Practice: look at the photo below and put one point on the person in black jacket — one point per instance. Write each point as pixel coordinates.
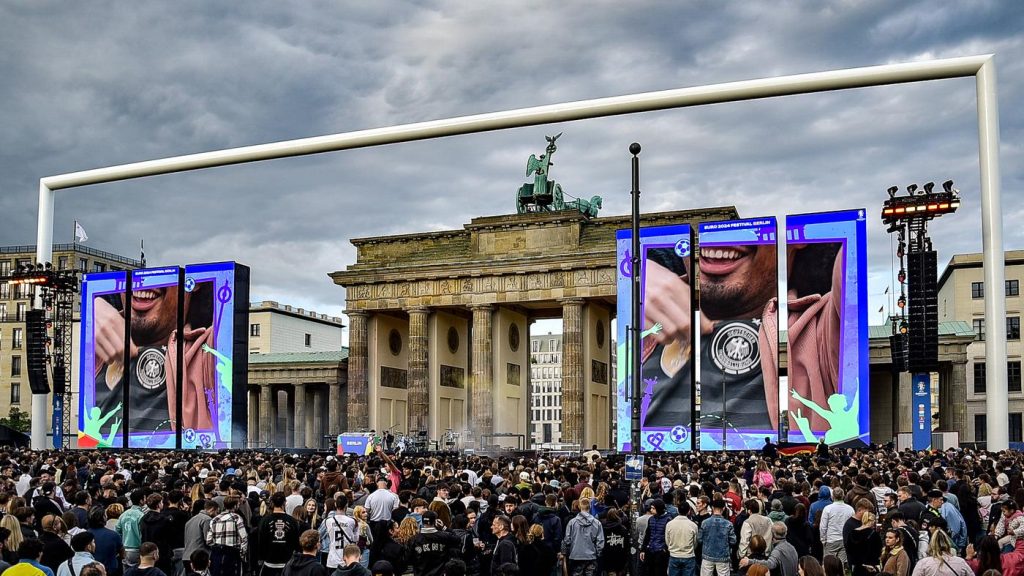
(911, 508)
(155, 526)
(615, 554)
(505, 549)
(306, 564)
(55, 550)
(277, 537)
(44, 503)
(432, 548)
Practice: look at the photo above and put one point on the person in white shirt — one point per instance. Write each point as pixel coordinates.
(379, 506)
(832, 519)
(294, 500)
(681, 540)
(341, 531)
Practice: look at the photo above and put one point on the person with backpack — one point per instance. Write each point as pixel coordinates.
(84, 544)
(340, 530)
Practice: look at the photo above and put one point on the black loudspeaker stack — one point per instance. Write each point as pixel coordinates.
(923, 312)
(898, 348)
(35, 339)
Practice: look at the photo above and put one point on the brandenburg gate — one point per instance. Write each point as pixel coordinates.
(440, 323)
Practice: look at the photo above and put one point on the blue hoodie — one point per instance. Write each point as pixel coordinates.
(824, 499)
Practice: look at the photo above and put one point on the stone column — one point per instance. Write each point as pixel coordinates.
(334, 406)
(358, 387)
(254, 416)
(312, 417)
(906, 423)
(483, 373)
(266, 436)
(300, 414)
(275, 415)
(958, 397)
(419, 374)
(572, 371)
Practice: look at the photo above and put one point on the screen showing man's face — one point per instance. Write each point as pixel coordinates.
(737, 281)
(155, 314)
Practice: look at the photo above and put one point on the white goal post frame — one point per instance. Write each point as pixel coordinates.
(981, 67)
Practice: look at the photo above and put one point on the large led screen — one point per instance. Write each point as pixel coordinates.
(739, 394)
(666, 401)
(827, 336)
(100, 405)
(153, 330)
(189, 318)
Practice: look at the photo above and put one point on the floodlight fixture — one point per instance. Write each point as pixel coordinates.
(892, 191)
(928, 188)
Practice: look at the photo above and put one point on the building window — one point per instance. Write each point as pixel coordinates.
(5, 267)
(309, 340)
(15, 393)
(99, 267)
(3, 311)
(977, 290)
(15, 365)
(24, 292)
(21, 311)
(536, 345)
(254, 329)
(16, 338)
(5, 291)
(1012, 287)
(1013, 376)
(979, 377)
(62, 263)
(1016, 428)
(83, 264)
(979, 328)
(980, 428)
(1013, 327)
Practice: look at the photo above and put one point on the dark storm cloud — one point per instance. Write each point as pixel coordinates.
(97, 84)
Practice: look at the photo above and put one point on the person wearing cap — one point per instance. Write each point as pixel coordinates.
(432, 548)
(306, 563)
(382, 567)
(84, 545)
(45, 503)
(938, 506)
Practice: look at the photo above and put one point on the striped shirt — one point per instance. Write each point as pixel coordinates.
(227, 529)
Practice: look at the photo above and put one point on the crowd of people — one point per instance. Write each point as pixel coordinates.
(824, 513)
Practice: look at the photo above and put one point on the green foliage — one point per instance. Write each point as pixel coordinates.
(17, 420)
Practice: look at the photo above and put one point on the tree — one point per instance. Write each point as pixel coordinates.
(17, 420)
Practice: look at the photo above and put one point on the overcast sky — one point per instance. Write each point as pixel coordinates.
(91, 84)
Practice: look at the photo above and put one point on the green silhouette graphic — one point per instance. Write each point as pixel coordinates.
(842, 419)
(94, 425)
(224, 365)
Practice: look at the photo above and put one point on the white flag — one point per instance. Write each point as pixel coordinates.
(80, 234)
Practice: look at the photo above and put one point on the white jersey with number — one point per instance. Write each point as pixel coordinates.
(341, 531)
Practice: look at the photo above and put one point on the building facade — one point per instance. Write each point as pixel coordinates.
(546, 389)
(16, 300)
(962, 297)
(280, 328)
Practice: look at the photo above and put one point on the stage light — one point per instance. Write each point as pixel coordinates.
(902, 276)
(903, 327)
(928, 188)
(901, 303)
(947, 186)
(892, 191)
(912, 189)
